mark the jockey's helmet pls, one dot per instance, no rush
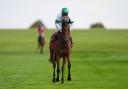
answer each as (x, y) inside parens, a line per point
(65, 11)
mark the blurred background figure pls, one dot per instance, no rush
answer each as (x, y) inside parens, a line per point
(41, 39)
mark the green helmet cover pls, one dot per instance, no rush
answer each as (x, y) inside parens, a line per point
(65, 11)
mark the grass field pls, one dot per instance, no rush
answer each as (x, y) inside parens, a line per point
(99, 60)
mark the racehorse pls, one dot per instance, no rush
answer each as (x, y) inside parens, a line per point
(41, 42)
(61, 49)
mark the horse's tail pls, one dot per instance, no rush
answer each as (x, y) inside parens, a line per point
(50, 59)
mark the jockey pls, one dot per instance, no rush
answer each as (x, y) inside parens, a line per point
(58, 22)
(63, 15)
(40, 30)
(41, 40)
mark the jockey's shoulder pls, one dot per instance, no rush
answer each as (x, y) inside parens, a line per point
(59, 18)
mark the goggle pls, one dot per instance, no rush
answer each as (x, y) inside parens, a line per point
(64, 14)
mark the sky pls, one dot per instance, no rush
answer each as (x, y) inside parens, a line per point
(22, 13)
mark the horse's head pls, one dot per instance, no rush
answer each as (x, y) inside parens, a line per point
(65, 27)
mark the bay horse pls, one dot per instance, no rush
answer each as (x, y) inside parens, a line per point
(41, 43)
(61, 49)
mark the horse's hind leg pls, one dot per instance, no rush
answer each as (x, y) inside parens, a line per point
(54, 69)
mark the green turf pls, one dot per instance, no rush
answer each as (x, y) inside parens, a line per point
(99, 61)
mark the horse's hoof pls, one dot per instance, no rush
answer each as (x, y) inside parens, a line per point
(69, 78)
(62, 81)
(57, 80)
(54, 80)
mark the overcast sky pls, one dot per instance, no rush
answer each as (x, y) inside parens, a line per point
(22, 13)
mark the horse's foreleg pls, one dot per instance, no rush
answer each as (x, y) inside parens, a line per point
(64, 62)
(58, 71)
(69, 67)
(54, 70)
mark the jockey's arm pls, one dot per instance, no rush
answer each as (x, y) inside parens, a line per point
(70, 23)
(58, 25)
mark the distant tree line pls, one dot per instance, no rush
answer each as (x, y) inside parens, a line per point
(97, 25)
(37, 24)
(40, 23)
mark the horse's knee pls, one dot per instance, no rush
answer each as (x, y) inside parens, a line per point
(58, 70)
(54, 65)
(69, 65)
(62, 67)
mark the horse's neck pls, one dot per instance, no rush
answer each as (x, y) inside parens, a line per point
(66, 35)
(65, 32)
